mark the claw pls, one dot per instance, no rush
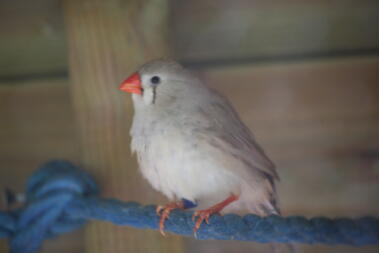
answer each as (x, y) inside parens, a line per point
(206, 213)
(203, 215)
(164, 213)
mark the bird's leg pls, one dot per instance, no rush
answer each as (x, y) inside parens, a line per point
(164, 211)
(206, 213)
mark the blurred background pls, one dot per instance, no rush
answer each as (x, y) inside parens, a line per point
(304, 76)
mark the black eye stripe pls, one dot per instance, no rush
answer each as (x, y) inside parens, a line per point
(155, 80)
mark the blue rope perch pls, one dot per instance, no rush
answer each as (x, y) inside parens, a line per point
(61, 198)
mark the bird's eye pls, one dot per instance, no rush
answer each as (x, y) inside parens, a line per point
(155, 80)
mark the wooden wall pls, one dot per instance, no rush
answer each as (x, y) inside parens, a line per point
(315, 112)
(317, 120)
(33, 42)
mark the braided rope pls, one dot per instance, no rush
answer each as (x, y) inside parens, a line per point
(61, 198)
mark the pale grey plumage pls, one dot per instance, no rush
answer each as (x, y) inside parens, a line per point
(182, 125)
(191, 144)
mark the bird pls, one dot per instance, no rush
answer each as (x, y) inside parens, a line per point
(192, 146)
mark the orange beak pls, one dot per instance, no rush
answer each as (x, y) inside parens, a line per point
(132, 84)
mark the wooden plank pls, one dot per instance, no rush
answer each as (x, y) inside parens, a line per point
(260, 29)
(37, 124)
(107, 41)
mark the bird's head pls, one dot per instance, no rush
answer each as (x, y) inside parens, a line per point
(160, 83)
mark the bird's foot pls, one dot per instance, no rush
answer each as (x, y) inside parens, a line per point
(205, 214)
(164, 213)
(202, 215)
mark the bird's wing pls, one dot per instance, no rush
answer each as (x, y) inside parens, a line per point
(225, 127)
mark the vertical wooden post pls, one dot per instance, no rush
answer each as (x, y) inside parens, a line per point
(107, 41)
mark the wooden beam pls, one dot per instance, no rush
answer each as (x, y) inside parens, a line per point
(259, 30)
(107, 41)
(33, 41)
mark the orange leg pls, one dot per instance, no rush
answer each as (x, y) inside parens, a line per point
(164, 213)
(206, 213)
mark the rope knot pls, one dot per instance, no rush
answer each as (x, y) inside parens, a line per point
(49, 193)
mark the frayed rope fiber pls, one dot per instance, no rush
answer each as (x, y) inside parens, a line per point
(61, 197)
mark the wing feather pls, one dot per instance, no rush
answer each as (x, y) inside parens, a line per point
(225, 126)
